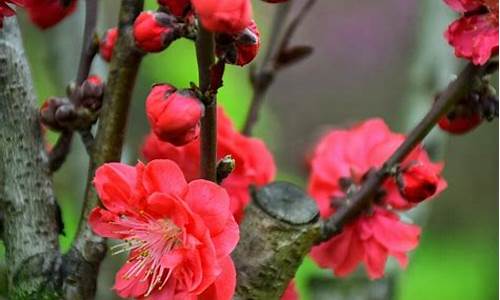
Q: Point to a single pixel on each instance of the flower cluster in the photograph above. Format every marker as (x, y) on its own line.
(254, 162)
(339, 165)
(475, 35)
(179, 235)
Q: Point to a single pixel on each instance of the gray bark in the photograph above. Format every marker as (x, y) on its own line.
(279, 229)
(27, 201)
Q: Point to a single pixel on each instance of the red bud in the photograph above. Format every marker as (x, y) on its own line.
(107, 44)
(241, 48)
(154, 31)
(46, 13)
(174, 115)
(417, 182)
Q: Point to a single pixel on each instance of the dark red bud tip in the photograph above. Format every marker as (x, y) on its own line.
(417, 182)
(174, 115)
(91, 93)
(178, 8)
(459, 124)
(154, 31)
(108, 43)
(241, 48)
(56, 113)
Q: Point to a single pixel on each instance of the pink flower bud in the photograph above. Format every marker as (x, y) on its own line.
(230, 16)
(174, 115)
(239, 49)
(154, 31)
(417, 182)
(47, 13)
(178, 8)
(107, 44)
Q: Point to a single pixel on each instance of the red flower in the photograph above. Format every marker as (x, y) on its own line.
(6, 10)
(290, 292)
(339, 163)
(241, 48)
(179, 235)
(475, 35)
(254, 162)
(228, 16)
(154, 31)
(108, 43)
(417, 182)
(178, 8)
(47, 13)
(174, 115)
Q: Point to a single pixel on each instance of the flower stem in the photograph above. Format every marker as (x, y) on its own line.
(205, 47)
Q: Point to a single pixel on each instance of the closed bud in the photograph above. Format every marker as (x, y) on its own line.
(154, 31)
(241, 48)
(47, 13)
(108, 43)
(417, 182)
(174, 115)
(225, 167)
(464, 116)
(57, 113)
(91, 93)
(178, 8)
(229, 16)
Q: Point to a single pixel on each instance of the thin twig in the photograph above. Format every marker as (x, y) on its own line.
(279, 41)
(361, 199)
(205, 46)
(87, 140)
(89, 49)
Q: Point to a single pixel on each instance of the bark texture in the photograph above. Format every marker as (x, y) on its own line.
(27, 201)
(279, 229)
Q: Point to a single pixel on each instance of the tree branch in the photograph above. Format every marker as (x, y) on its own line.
(88, 249)
(205, 47)
(359, 201)
(90, 47)
(26, 195)
(279, 41)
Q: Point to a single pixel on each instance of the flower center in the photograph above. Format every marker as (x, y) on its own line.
(149, 240)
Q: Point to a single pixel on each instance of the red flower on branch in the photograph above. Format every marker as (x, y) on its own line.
(339, 165)
(47, 13)
(6, 9)
(179, 235)
(475, 35)
(154, 31)
(240, 48)
(254, 163)
(230, 16)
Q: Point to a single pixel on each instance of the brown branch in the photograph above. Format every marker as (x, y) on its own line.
(88, 249)
(205, 46)
(90, 46)
(279, 41)
(361, 199)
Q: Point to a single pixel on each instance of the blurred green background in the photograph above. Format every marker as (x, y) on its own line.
(382, 58)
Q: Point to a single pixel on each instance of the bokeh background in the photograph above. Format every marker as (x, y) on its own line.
(383, 58)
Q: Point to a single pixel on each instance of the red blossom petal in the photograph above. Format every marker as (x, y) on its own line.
(474, 37)
(163, 175)
(131, 287)
(224, 286)
(375, 259)
(104, 223)
(394, 234)
(115, 183)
